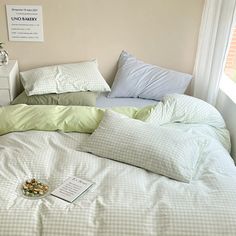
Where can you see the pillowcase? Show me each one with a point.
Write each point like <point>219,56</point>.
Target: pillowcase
<point>83,76</point>
<point>65,99</point>
<point>135,79</point>
<point>164,151</point>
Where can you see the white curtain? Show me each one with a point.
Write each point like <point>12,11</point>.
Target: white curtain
<point>215,31</point>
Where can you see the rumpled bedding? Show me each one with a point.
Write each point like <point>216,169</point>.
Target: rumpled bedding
<point>125,200</point>
<point>59,118</point>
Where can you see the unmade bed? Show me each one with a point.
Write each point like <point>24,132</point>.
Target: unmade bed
<point>125,199</point>
<point>159,160</point>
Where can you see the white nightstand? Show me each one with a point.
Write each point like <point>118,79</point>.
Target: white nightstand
<point>9,82</point>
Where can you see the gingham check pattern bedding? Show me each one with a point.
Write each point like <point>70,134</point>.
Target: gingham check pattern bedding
<point>125,200</point>
<point>157,149</point>
<point>83,76</point>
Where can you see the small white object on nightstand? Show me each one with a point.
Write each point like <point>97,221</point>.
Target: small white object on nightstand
<point>9,82</point>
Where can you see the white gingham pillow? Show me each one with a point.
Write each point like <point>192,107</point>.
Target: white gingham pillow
<point>164,151</point>
<point>83,76</point>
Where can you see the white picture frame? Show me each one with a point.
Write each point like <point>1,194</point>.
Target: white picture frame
<point>25,23</point>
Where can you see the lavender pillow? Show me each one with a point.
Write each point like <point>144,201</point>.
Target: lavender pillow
<point>137,79</point>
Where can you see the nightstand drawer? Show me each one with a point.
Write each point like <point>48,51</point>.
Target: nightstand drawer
<point>4,82</point>
<point>9,82</point>
<point>4,97</point>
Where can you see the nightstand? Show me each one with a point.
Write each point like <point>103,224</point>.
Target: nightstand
<point>9,82</point>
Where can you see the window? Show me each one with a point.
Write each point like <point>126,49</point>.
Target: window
<point>228,82</point>
<point>230,65</point>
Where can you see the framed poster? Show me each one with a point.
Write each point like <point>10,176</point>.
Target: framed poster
<point>25,23</point>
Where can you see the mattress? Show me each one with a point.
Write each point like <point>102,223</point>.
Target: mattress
<point>105,102</point>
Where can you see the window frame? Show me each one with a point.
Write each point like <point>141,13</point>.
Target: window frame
<point>227,85</point>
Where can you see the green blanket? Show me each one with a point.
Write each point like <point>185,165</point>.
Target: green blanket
<point>64,118</point>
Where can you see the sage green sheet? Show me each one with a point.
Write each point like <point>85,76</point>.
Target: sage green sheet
<point>64,118</point>
<point>64,99</point>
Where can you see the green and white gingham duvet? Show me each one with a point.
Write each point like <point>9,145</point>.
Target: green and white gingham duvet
<point>125,200</point>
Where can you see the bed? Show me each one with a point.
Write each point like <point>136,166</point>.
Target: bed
<point>128,197</point>
<point>125,200</point>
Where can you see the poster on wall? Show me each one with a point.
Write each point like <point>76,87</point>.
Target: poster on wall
<point>25,23</point>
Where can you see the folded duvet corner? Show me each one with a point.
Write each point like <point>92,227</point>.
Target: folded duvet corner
<point>81,119</point>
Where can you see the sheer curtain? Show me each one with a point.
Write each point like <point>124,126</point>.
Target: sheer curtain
<point>217,20</point>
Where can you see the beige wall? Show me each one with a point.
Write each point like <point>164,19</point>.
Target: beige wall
<point>162,32</point>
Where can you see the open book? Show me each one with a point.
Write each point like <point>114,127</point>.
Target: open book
<point>71,189</point>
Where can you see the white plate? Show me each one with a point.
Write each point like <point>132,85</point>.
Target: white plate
<point>20,189</point>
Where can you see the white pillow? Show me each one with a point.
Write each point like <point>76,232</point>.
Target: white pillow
<point>83,76</point>
<point>164,151</point>
<point>134,78</point>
